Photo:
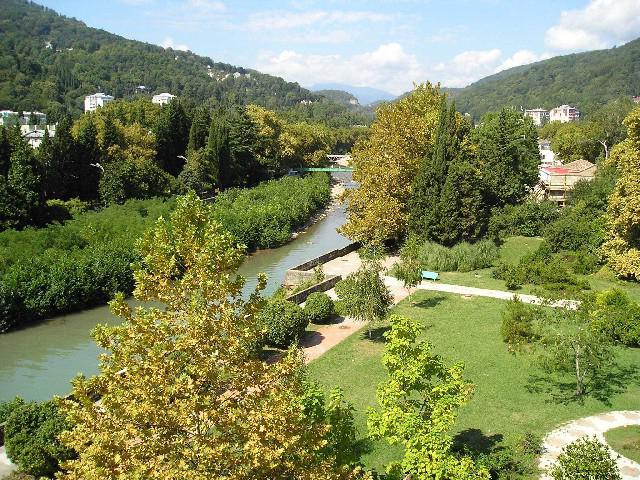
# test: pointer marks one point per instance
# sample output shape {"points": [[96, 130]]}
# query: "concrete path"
{"points": [[6, 467], [595, 425], [483, 292]]}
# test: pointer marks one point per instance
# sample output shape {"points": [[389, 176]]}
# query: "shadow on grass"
{"points": [[377, 334], [602, 386], [474, 441], [429, 302]]}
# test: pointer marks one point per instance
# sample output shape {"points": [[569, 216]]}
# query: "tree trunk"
{"points": [[606, 149], [579, 382]]}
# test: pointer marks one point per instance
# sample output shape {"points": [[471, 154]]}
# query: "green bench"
{"points": [[427, 275]]}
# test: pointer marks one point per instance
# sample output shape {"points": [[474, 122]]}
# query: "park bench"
{"points": [[427, 275]]}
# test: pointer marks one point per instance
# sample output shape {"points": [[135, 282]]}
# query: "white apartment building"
{"points": [[10, 118], [92, 102], [540, 116], [547, 156], [564, 114], [162, 98]]}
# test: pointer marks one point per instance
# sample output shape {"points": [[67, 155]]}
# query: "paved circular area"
{"points": [[592, 426]]}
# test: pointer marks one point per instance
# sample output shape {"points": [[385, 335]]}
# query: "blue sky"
{"points": [[388, 44]]}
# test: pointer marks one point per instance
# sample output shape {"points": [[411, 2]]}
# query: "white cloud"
{"points": [[466, 67], [276, 20], [169, 43], [521, 57], [601, 24], [388, 67]]}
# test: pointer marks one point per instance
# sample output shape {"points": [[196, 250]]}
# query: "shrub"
{"points": [[586, 459], [577, 228], [527, 219], [319, 307], [617, 317], [61, 211], [463, 257], [518, 321], [283, 323], [31, 438], [7, 408]]}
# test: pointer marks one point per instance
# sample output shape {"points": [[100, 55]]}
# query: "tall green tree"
{"points": [[506, 152], [60, 163], [418, 405], [199, 129], [461, 209], [172, 135], [424, 203], [88, 152]]}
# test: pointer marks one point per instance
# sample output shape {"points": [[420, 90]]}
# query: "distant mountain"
{"points": [[585, 80], [49, 62], [339, 96], [365, 95]]}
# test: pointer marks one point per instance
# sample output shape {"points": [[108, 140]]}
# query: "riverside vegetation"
{"points": [[87, 260]]}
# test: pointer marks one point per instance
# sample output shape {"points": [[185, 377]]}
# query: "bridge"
{"points": [[320, 169]]}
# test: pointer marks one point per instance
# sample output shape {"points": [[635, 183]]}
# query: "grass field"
{"points": [[515, 248], [513, 396], [625, 441]]}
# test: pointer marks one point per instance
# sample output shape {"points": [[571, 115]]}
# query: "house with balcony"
{"points": [[557, 181], [162, 98], [540, 116], [93, 102], [564, 114]]}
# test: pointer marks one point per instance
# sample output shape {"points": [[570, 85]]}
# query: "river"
{"points": [[38, 362]]}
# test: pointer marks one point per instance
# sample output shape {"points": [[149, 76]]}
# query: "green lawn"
{"points": [[515, 248], [625, 441], [508, 401]]}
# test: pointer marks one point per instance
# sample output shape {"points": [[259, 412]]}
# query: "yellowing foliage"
{"points": [[622, 247], [183, 395], [386, 163]]}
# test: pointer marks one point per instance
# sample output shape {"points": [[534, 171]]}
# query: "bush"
{"points": [[61, 211], [265, 216], [617, 317], [463, 257], [126, 179], [527, 219], [586, 459], [31, 438], [319, 308], [7, 408], [283, 323], [578, 228], [518, 321]]}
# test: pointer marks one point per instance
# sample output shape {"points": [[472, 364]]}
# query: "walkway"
{"points": [[483, 292], [590, 426], [6, 467]]}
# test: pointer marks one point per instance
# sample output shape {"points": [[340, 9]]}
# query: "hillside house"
{"points": [[564, 114], [540, 116], [92, 102], [547, 156], [162, 98], [557, 182]]}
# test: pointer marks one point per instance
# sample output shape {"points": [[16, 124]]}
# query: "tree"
{"points": [[364, 295], [461, 209], [417, 407], [506, 152], [172, 134], [572, 345], [242, 168], [578, 140], [386, 163], [217, 155], [424, 202], [60, 163], [610, 119], [586, 459], [199, 129], [88, 151], [182, 393], [622, 246], [269, 129]]}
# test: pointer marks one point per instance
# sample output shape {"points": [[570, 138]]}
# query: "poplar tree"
{"points": [[199, 129], [172, 134]]}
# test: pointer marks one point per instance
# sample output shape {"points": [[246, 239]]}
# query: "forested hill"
{"points": [[585, 80], [48, 60]]}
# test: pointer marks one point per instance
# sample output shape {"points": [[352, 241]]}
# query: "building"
{"points": [[564, 114], [540, 116], [557, 182], [547, 156], [636, 99], [92, 102], [162, 98]]}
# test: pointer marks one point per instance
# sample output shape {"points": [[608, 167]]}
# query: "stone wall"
{"points": [[323, 286], [300, 273]]}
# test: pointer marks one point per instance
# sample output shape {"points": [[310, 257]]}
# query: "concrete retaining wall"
{"points": [[323, 286], [302, 272]]}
